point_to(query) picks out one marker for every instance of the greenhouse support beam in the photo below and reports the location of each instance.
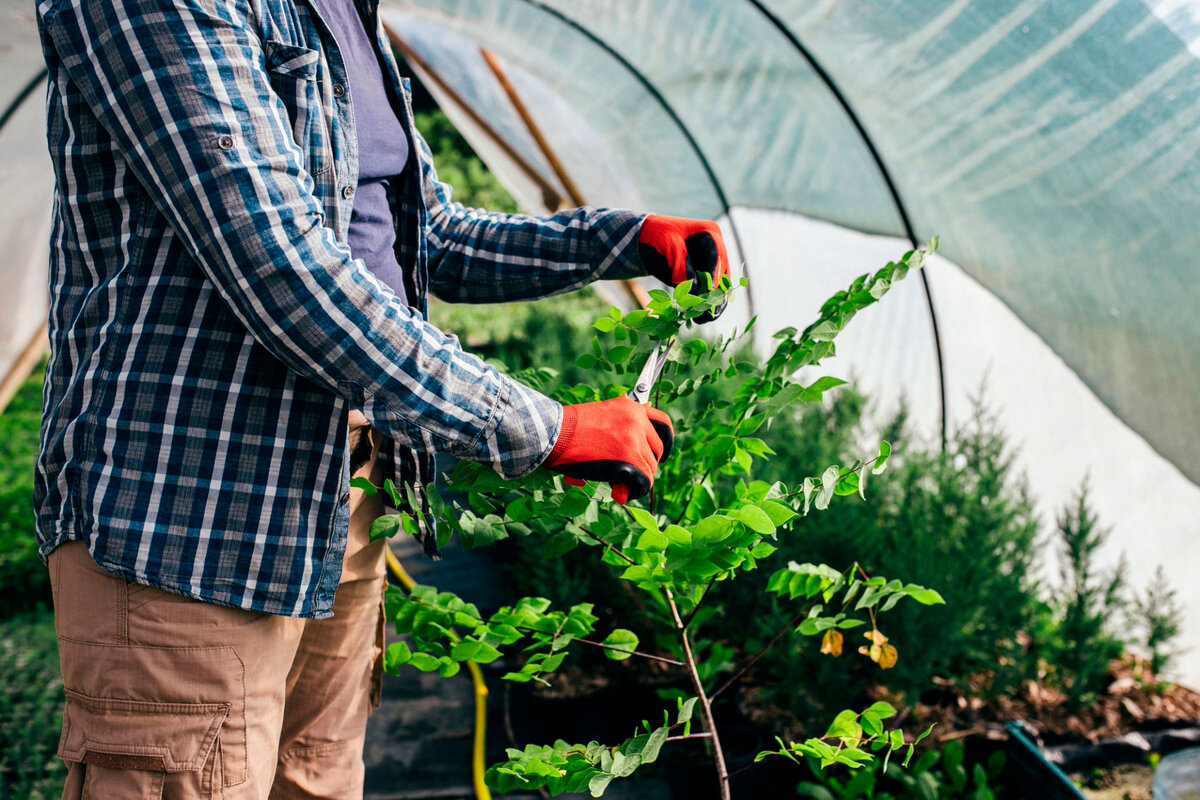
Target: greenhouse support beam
(886, 174)
(24, 365)
(20, 98)
(636, 293)
(670, 112)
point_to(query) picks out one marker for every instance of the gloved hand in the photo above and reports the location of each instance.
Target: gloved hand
(676, 249)
(617, 441)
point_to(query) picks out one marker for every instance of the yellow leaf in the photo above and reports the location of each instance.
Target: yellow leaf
(887, 657)
(875, 637)
(831, 643)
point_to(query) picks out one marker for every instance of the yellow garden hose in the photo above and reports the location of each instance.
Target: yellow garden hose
(481, 692)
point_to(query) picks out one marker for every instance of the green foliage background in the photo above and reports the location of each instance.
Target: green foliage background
(31, 692)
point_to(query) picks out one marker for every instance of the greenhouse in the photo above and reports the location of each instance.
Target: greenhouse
(1030, 168)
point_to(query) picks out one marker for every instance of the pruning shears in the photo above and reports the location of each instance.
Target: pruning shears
(651, 372)
(640, 393)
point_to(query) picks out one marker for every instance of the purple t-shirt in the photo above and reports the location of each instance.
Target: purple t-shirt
(382, 143)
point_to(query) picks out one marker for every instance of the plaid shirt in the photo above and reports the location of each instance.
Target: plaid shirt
(209, 328)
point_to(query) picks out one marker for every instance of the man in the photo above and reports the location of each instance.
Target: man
(246, 226)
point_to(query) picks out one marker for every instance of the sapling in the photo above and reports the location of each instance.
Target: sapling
(706, 520)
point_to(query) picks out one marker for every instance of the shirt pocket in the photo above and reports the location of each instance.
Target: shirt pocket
(293, 71)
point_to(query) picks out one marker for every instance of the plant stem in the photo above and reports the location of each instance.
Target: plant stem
(698, 685)
(650, 656)
(615, 550)
(793, 622)
(704, 735)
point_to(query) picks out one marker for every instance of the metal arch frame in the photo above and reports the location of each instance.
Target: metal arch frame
(670, 112)
(887, 179)
(21, 97)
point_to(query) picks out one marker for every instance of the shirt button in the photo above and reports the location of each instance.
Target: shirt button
(225, 142)
(338, 90)
(345, 499)
(347, 191)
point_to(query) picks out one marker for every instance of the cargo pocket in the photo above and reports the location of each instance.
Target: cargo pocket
(133, 748)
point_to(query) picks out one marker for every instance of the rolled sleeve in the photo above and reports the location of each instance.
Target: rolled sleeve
(480, 256)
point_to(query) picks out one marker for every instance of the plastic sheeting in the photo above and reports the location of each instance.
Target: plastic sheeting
(1052, 145)
(1042, 302)
(26, 185)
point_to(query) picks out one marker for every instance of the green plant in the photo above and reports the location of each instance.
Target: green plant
(934, 775)
(24, 580)
(1089, 603)
(709, 520)
(31, 699)
(1159, 617)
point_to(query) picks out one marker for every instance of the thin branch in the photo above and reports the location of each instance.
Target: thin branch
(704, 735)
(612, 548)
(594, 643)
(650, 656)
(793, 622)
(705, 705)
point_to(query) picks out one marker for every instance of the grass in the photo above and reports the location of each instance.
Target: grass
(31, 698)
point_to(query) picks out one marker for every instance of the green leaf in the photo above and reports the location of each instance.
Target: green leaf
(885, 451)
(824, 331)
(882, 710)
(816, 391)
(620, 354)
(779, 513)
(384, 527)
(369, 489)
(599, 783)
(425, 662)
(643, 517)
(686, 708)
(713, 529)
(397, 653)
(625, 640)
(755, 519)
(652, 539)
(586, 361)
(471, 650)
(604, 324)
(638, 574)
(927, 597)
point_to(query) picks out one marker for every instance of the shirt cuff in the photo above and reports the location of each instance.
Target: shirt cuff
(525, 426)
(616, 242)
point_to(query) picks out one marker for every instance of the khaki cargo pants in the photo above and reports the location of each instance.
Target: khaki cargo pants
(169, 697)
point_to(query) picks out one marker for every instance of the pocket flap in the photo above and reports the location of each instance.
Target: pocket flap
(291, 59)
(137, 734)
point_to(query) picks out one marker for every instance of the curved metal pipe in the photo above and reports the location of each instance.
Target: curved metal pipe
(666, 107)
(20, 98)
(887, 179)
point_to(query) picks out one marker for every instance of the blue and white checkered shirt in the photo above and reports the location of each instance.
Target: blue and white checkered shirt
(209, 328)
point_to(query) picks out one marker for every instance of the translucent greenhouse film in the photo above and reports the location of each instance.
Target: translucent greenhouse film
(1051, 145)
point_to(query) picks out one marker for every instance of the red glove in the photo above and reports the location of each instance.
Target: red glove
(616, 441)
(675, 249)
